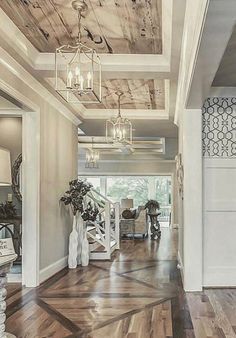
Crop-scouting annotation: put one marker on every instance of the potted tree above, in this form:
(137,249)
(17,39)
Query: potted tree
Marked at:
(153,212)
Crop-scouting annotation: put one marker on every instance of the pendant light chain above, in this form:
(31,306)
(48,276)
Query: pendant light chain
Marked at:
(119,98)
(78,67)
(79,27)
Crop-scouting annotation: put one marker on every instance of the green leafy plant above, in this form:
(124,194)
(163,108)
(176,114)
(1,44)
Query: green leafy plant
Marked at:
(152,206)
(90,213)
(75,195)
(75,198)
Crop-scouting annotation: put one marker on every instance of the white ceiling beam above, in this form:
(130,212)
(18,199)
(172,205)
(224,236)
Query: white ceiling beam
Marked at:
(131,75)
(136,114)
(118,146)
(148,63)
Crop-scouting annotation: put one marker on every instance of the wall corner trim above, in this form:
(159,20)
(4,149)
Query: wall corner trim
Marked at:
(52,269)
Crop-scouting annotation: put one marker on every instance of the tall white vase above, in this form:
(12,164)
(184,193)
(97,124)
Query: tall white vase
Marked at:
(80,226)
(73,246)
(85,249)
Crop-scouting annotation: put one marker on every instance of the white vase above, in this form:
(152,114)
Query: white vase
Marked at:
(80,226)
(73,246)
(85,249)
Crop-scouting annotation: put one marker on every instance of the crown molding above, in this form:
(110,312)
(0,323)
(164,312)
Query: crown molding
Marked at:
(14,67)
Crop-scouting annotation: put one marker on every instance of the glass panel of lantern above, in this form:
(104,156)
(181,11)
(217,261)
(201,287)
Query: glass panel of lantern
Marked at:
(78,74)
(92,158)
(119,130)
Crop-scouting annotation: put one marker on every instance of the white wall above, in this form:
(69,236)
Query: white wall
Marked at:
(58,166)
(192,206)
(58,161)
(219,222)
(219,217)
(11,139)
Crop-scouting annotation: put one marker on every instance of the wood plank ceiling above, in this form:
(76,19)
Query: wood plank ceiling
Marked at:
(110,26)
(138,94)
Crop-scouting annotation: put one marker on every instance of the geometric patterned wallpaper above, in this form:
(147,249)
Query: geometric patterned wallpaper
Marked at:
(219,127)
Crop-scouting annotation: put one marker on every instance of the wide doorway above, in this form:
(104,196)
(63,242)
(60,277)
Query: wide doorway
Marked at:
(139,189)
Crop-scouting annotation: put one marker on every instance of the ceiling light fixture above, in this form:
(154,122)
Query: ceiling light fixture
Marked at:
(78,68)
(119,129)
(92,158)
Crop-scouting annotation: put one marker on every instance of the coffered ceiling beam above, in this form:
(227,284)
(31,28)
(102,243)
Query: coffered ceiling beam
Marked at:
(115,63)
(130,113)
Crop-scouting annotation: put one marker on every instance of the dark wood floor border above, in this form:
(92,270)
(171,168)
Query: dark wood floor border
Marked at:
(32,294)
(14,292)
(20,302)
(139,260)
(96,295)
(52,280)
(139,269)
(128,277)
(68,324)
(181,318)
(128,271)
(139,282)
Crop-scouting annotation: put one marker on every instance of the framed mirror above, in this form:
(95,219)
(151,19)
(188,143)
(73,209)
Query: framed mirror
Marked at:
(16,178)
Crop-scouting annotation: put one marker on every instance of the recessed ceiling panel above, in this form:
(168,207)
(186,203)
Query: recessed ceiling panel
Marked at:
(110,26)
(226,74)
(137,94)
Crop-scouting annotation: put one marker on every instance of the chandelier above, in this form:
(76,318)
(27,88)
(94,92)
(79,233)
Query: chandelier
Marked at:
(119,129)
(78,68)
(92,158)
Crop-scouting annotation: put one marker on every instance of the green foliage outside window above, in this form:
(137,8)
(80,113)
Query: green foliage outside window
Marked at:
(140,188)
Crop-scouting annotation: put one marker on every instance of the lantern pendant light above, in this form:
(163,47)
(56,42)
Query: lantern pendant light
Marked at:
(92,158)
(119,129)
(78,68)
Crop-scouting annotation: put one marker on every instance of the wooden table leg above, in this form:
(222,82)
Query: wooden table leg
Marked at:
(3,295)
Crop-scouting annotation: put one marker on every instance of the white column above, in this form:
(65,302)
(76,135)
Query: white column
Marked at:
(192,232)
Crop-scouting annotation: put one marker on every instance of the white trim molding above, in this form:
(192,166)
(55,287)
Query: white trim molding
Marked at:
(195,16)
(52,269)
(192,207)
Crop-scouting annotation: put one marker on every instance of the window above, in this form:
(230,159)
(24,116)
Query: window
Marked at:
(128,187)
(95,181)
(139,188)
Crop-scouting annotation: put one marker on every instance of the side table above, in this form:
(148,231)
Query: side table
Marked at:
(5,265)
(127,227)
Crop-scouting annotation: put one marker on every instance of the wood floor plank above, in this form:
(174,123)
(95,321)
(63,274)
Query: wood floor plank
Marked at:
(138,294)
(33,322)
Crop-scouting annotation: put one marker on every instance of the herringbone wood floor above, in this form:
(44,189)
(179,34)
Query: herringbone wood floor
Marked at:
(136,295)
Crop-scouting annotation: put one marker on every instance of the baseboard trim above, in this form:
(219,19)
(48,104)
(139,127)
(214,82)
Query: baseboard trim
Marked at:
(52,269)
(181,267)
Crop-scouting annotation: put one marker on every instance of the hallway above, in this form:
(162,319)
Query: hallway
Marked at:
(137,295)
